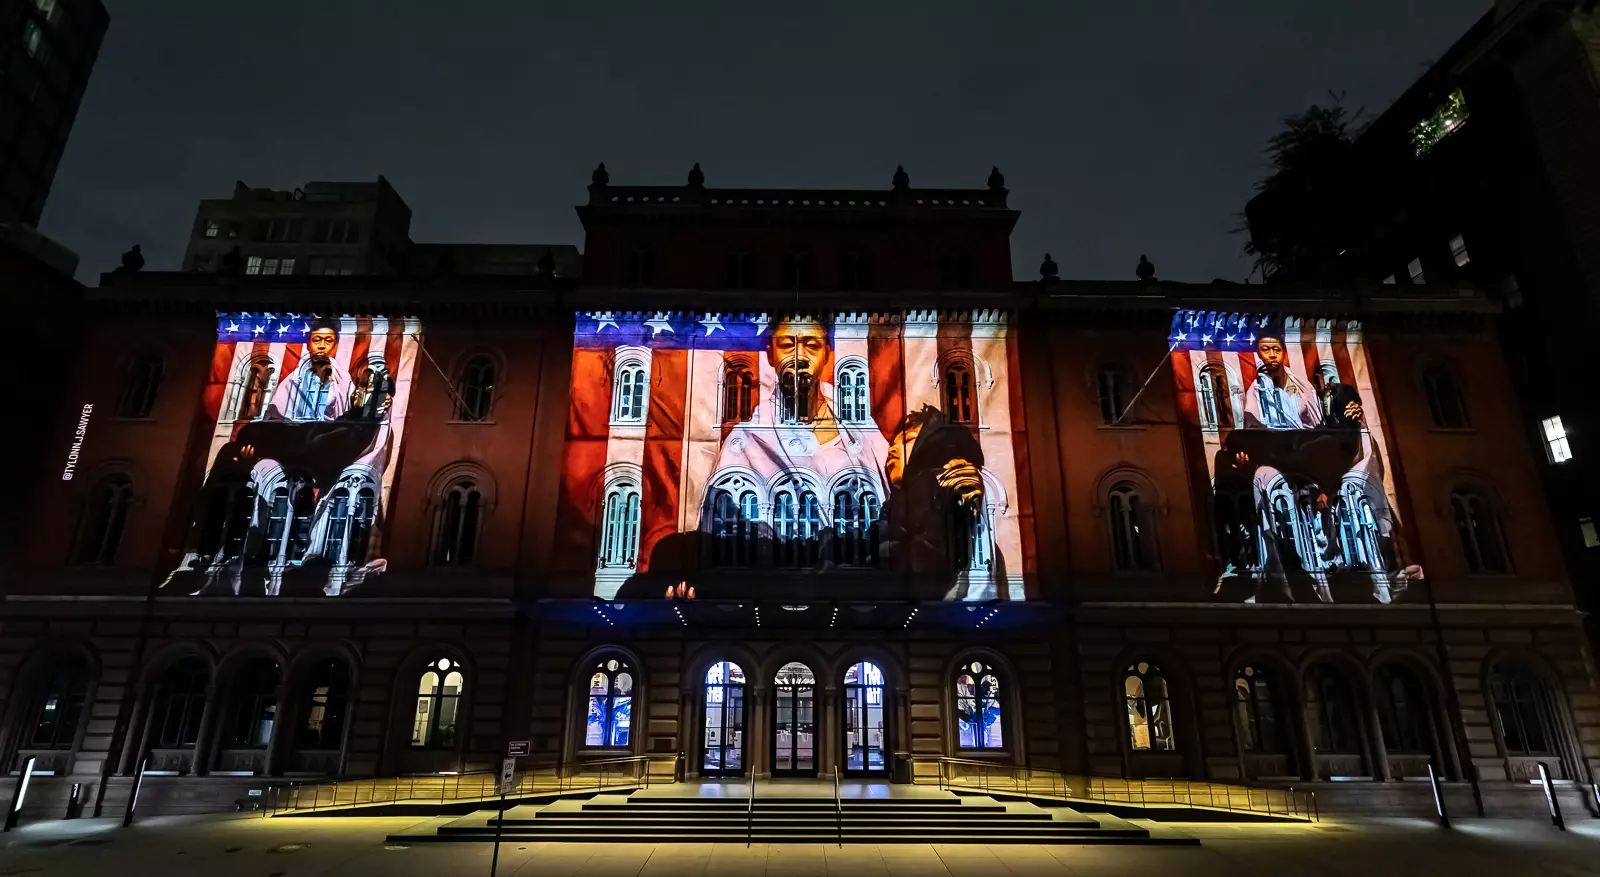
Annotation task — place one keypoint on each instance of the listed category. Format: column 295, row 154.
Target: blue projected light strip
column 1216, row 330
column 272, row 328
column 671, row 330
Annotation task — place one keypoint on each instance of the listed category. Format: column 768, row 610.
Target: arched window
column 180, row 701
column 1445, row 403
column 1359, row 544
column 735, row 523
column 351, row 508
column 455, row 540
column 1256, row 704
column 60, row 706
column 641, row 265
column 797, row 527
column 104, row 517
column 1285, row 527
column 1149, row 705
column 438, row 705
column 1522, row 705
column 739, row 389
column 967, row 536
column 228, row 512
column 619, row 528
column 794, row 728
column 855, row 524
column 1402, row 710
column 255, row 384
column 724, row 725
column 326, row 702
column 610, row 705
column 795, row 399
column 255, row 705
column 1216, row 398
column 850, row 388
column 958, row 396
column 289, row 515
column 1309, row 538
column 866, row 718
column 1112, row 382
column 797, row 271
column 630, row 385
column 140, row 384
column 1483, row 535
column 1335, row 723
column 978, row 720
column 1132, row 528
column 475, row 389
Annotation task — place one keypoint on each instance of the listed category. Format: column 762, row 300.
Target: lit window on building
column 269, row 266
column 1458, row 250
column 253, row 265
column 1389, row 281
column 211, row 228
column 1448, row 117
column 1555, row 439
column 1591, row 536
column 1414, row 268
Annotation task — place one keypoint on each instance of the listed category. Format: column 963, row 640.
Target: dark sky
column 1122, row 127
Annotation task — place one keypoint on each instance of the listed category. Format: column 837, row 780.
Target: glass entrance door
column 794, row 737
column 866, row 721
column 723, row 744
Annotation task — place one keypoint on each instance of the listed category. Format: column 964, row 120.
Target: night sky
column 1121, row 127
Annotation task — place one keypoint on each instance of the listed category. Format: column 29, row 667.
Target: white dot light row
column 678, row 609
column 601, row 612
column 991, row 614
column 913, row 614
column 835, row 619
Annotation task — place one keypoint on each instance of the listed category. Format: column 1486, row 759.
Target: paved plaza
column 347, row 847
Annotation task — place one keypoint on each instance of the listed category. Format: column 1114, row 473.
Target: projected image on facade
column 707, row 442
column 307, row 415
column 1296, row 455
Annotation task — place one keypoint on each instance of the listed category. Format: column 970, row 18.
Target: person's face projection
column 799, row 347
column 321, row 343
column 1271, row 352
column 894, row 464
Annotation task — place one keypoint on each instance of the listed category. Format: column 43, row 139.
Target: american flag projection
column 1283, row 411
column 731, row 449
column 308, row 412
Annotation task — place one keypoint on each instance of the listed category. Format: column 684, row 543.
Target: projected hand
column 1352, row 410
column 963, row 478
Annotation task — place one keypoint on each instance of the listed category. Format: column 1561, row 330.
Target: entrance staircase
column 668, row 817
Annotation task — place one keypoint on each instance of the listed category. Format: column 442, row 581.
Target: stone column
column 830, row 732
column 205, row 742
column 282, row 732
column 758, row 734
column 1377, row 751
column 138, row 733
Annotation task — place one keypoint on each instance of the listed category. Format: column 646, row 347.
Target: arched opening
column 1333, row 715
column 178, row 705
column 104, row 518
column 437, row 717
column 475, row 389
column 53, row 716
column 459, row 515
column 739, row 388
column 1407, row 719
column 318, row 741
column 722, row 743
column 866, row 720
column 140, row 384
column 1260, row 714
column 609, row 719
column 958, row 395
column 1525, row 718
column 794, row 725
column 980, row 723
column 1481, row 530
column 1133, row 547
column 251, row 718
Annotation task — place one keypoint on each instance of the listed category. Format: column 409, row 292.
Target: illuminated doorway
column 722, row 750
column 866, row 721
column 794, row 725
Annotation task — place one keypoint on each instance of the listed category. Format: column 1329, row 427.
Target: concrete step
column 608, row 835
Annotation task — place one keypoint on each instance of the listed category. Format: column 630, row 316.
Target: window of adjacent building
column 1458, row 250
column 1112, row 383
column 610, row 705
column 1149, row 708
column 1255, row 702
column 438, row 710
column 851, row 392
column 460, row 512
column 212, row 228
column 104, row 517
column 1555, row 439
column 1402, row 710
column 1133, row 549
column 269, row 266
column 1591, row 536
column 1414, row 269
column 140, row 384
column 475, row 389
column 1520, row 705
column 60, row 706
column 978, row 720
column 855, row 523
column 255, row 707
column 629, row 390
column 1481, row 531
column 619, row 527
column 323, row 710
column 1443, row 392
column 252, row 265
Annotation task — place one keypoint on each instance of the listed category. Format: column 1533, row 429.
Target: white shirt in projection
column 303, row 395
column 770, row 450
column 1292, row 406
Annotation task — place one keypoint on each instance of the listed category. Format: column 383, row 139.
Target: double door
column 794, row 725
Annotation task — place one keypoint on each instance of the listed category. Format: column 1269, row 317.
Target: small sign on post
column 518, row 748
column 508, row 776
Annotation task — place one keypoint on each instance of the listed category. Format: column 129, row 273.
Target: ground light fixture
column 21, row 794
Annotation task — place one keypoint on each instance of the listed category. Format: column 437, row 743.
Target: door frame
column 816, row 738
column 885, row 705
column 744, row 722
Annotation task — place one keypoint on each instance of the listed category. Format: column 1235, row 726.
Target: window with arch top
column 1114, row 387
column 735, row 525
column 1132, row 528
column 855, row 523
column 1403, row 711
column 610, row 714
column 619, row 526
column 1149, row 706
column 739, row 389
column 104, row 518
column 255, row 704
column 351, row 508
column 475, row 389
column 1521, row 703
column 438, row 713
column 797, row 527
column 850, row 390
column 1482, row 531
column 458, row 519
column 959, row 404
column 1335, row 720
column 1255, row 700
column 141, row 381
column 327, row 696
column 978, row 714
column 629, row 388
column 60, row 705
column 290, row 509
column 1216, row 398
column 1446, row 405
column 181, row 699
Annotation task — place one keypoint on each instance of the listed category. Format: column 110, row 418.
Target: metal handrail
column 998, row 776
column 838, row 807
column 750, row 812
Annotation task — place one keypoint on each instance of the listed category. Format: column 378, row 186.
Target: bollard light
column 22, row 792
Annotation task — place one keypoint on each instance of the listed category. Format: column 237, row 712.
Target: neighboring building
column 914, row 510
column 1483, row 175
column 47, row 50
column 340, row 229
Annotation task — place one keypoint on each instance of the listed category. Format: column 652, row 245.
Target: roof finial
column 1146, row 270
column 997, row 180
column 1048, row 270
column 697, row 177
column 132, row 261
column 600, row 177
column 902, row 180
